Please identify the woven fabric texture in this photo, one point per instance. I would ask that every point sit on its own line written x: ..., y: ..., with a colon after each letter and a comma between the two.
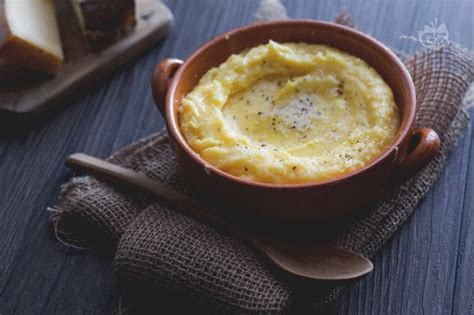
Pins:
x: 158, y: 248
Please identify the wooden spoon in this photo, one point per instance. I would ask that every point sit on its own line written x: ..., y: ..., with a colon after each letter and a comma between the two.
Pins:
x: 312, y: 260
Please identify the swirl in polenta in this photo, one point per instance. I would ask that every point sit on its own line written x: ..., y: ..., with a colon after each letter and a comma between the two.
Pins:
x: 290, y: 113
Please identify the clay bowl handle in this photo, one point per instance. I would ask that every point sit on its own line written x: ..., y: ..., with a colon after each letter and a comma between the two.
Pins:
x: 425, y: 144
x: 161, y: 78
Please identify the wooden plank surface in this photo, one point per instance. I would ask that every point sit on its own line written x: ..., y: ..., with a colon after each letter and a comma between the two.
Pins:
x: 82, y: 67
x: 427, y: 268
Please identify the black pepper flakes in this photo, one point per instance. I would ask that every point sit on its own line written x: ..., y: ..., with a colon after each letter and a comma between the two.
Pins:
x: 340, y: 88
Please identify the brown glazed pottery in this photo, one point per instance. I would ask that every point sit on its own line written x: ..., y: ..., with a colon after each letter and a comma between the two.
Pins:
x: 343, y: 197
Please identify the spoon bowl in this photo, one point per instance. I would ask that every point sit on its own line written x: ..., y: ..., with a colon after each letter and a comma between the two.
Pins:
x: 316, y: 261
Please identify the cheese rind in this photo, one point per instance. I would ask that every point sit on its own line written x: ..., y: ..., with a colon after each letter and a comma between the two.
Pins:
x: 29, y: 35
x: 11, y: 73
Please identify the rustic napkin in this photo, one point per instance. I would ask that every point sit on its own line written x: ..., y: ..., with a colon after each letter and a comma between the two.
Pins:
x: 158, y: 248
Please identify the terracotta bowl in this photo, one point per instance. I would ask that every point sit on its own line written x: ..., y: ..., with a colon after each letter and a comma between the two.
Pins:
x: 335, y: 199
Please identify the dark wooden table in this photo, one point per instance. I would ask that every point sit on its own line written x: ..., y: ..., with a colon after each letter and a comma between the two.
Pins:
x: 427, y: 268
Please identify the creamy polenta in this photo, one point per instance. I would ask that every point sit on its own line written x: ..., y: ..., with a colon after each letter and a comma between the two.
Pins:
x: 290, y: 113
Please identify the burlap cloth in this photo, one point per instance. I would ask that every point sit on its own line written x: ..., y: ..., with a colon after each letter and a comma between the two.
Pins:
x: 157, y: 248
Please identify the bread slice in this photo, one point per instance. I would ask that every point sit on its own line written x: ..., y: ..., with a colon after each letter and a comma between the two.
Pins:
x: 102, y: 22
x: 29, y: 35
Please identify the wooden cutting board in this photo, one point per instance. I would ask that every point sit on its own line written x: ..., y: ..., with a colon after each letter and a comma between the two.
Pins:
x: 82, y: 65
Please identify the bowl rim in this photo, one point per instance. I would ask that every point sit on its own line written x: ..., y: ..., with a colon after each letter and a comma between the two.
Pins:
x: 404, y: 130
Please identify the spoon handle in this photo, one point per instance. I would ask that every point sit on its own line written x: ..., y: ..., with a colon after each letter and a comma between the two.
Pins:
x: 131, y: 180
x: 315, y: 260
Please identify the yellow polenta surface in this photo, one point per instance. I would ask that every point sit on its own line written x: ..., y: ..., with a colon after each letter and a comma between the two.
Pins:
x: 290, y: 113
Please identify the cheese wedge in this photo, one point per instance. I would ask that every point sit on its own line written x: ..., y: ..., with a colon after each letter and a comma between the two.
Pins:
x: 29, y: 35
